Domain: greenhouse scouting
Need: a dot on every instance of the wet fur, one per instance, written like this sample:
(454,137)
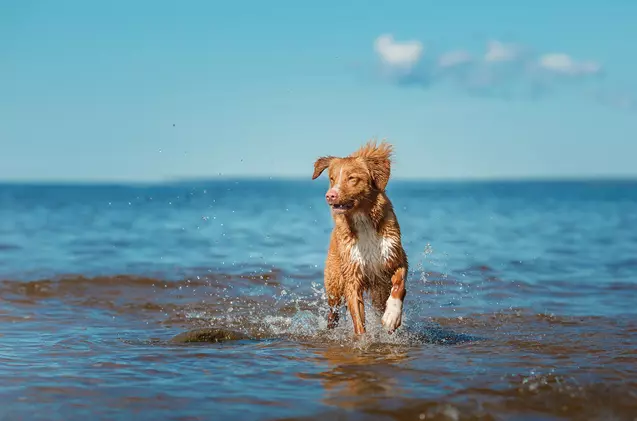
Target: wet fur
(365,252)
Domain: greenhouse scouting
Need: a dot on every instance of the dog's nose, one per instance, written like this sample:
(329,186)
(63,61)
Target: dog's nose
(331,196)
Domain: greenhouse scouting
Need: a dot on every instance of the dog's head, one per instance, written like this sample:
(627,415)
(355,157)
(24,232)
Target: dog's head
(357,179)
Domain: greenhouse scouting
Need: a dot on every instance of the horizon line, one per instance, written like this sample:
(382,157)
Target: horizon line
(237,177)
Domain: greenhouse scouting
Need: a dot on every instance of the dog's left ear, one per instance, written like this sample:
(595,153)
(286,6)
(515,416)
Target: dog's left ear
(320,165)
(380,170)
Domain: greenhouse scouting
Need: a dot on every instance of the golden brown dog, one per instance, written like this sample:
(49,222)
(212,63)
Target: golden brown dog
(365,252)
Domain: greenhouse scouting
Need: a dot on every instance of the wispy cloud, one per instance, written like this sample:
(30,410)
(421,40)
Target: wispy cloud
(505,70)
(564,64)
(498,52)
(454,58)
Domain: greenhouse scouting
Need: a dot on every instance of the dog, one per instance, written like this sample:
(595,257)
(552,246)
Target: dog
(365,252)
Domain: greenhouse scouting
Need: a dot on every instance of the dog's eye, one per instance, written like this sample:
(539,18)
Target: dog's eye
(353,180)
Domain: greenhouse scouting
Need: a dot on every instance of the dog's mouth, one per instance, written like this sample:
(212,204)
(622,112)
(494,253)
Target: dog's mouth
(342,207)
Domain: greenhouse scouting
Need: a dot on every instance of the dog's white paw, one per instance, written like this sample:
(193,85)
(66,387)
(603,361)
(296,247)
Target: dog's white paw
(393,314)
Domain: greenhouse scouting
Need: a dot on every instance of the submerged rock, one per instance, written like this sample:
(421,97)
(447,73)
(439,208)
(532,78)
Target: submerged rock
(209,335)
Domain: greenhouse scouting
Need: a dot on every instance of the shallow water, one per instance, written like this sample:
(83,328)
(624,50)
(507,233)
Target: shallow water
(520,306)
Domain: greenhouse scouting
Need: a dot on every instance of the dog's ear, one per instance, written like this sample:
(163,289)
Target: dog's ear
(320,165)
(380,170)
(378,160)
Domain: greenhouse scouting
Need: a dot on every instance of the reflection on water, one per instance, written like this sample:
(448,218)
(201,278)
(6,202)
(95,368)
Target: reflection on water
(358,379)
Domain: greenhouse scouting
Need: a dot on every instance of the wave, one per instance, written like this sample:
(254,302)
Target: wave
(481,365)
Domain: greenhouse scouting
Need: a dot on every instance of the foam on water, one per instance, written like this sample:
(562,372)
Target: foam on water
(304,318)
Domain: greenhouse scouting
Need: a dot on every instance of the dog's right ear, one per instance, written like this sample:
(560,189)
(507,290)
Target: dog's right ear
(320,165)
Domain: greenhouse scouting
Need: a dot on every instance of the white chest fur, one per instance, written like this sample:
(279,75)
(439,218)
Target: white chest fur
(370,250)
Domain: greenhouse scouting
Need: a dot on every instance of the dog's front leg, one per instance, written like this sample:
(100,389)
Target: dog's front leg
(394,308)
(352,276)
(356,308)
(333,286)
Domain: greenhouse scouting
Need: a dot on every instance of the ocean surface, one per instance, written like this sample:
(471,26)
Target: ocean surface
(204,301)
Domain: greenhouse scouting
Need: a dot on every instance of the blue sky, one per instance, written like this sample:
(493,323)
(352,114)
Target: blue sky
(148,90)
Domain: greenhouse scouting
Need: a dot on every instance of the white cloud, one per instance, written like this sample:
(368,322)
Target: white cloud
(503,70)
(398,54)
(454,58)
(566,65)
(499,51)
